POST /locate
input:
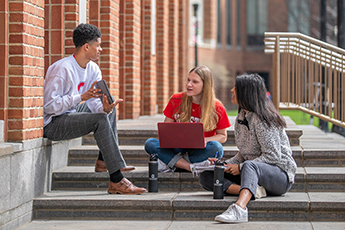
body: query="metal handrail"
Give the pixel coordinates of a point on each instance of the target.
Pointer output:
(309, 75)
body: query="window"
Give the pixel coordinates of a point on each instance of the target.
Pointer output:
(298, 16)
(228, 22)
(193, 23)
(82, 11)
(238, 22)
(256, 22)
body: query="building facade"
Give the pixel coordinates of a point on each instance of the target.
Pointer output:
(144, 43)
(230, 34)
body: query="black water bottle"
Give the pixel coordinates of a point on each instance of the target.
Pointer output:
(153, 173)
(218, 180)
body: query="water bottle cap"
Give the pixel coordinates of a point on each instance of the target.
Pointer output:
(154, 157)
(219, 163)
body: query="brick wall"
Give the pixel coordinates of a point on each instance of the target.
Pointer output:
(54, 32)
(4, 27)
(71, 9)
(148, 59)
(26, 69)
(210, 20)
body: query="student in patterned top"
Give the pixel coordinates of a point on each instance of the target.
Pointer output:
(197, 104)
(264, 164)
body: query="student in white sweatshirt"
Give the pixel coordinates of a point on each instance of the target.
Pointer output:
(68, 83)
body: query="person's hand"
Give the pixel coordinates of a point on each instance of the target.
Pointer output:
(233, 169)
(108, 108)
(91, 93)
(212, 160)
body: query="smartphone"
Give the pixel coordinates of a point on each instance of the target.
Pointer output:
(101, 84)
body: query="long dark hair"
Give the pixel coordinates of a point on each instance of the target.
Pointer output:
(252, 96)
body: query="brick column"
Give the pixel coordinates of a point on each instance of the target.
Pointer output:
(173, 46)
(183, 32)
(148, 59)
(95, 13)
(26, 69)
(109, 26)
(71, 8)
(130, 29)
(4, 62)
(210, 21)
(162, 54)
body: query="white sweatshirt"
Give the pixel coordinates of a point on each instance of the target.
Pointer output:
(64, 83)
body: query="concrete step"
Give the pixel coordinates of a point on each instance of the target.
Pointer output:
(308, 179)
(133, 154)
(136, 155)
(200, 205)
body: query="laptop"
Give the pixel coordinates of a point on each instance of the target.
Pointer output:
(182, 135)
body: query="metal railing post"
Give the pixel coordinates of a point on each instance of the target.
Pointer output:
(276, 75)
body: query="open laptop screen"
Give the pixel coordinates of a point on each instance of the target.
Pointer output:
(183, 135)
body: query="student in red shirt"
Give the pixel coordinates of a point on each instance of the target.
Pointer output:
(197, 104)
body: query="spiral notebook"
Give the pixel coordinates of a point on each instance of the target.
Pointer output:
(182, 135)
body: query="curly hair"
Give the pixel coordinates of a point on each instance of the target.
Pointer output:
(85, 33)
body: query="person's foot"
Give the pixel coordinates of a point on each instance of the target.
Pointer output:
(234, 214)
(125, 187)
(100, 167)
(162, 167)
(199, 167)
(260, 192)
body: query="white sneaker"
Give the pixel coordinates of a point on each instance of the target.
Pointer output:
(162, 167)
(199, 167)
(260, 192)
(234, 214)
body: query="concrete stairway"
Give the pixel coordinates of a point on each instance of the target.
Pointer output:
(81, 194)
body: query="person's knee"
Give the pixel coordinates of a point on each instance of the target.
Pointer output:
(249, 164)
(150, 144)
(215, 146)
(102, 117)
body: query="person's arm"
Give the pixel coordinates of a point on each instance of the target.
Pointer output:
(56, 100)
(222, 125)
(167, 119)
(221, 136)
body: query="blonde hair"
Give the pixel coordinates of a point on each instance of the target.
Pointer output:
(209, 116)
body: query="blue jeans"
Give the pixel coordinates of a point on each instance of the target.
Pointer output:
(253, 173)
(171, 156)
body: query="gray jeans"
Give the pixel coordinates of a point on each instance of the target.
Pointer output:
(72, 125)
(253, 173)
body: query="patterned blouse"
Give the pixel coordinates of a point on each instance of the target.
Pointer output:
(258, 142)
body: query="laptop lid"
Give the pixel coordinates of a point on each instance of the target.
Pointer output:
(183, 135)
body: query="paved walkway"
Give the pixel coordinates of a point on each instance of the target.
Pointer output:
(174, 225)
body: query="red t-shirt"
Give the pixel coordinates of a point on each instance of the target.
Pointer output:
(175, 102)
